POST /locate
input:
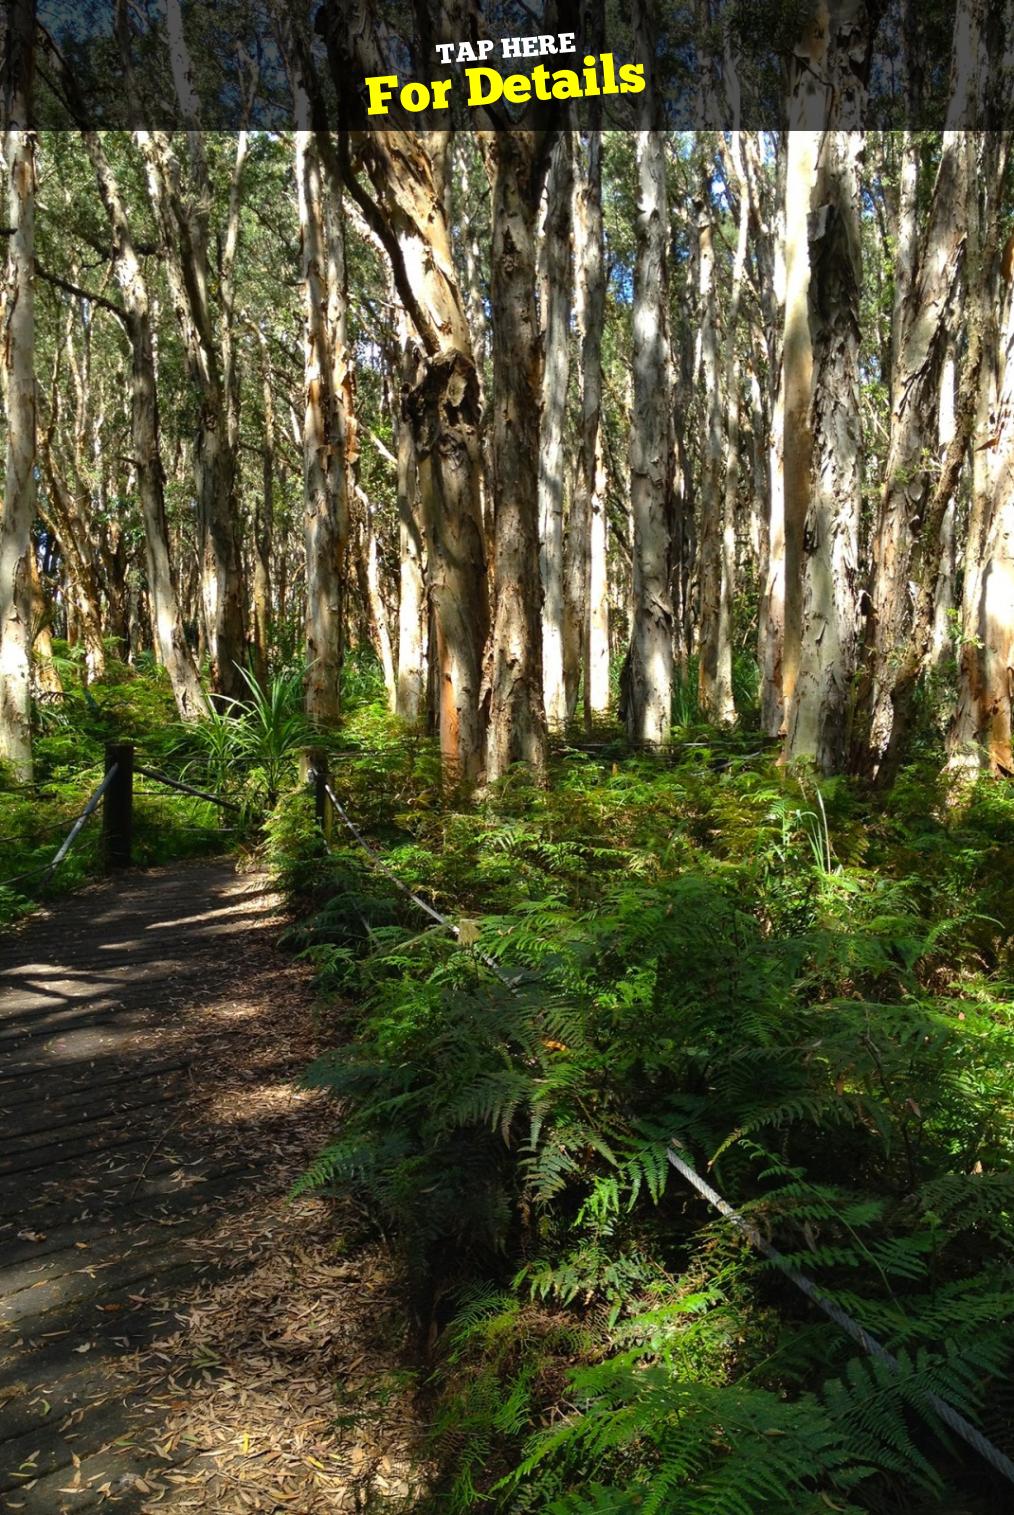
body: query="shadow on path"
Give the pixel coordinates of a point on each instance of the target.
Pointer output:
(172, 1329)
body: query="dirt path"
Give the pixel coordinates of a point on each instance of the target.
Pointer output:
(174, 1332)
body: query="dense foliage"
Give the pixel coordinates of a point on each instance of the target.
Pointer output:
(809, 993)
(242, 753)
(450, 455)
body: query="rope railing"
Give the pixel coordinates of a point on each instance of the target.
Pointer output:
(950, 1417)
(852, 1328)
(382, 867)
(118, 792)
(48, 869)
(50, 828)
(178, 784)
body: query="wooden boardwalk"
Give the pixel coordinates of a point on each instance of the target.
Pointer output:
(150, 1036)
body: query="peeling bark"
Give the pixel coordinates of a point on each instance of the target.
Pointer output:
(817, 711)
(517, 717)
(325, 460)
(19, 369)
(648, 676)
(184, 232)
(586, 622)
(408, 172)
(717, 537)
(412, 609)
(167, 624)
(555, 290)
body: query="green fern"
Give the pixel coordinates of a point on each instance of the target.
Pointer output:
(830, 1030)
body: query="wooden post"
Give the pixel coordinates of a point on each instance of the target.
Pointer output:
(314, 760)
(118, 805)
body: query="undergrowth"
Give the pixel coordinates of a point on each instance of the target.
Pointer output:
(809, 992)
(244, 752)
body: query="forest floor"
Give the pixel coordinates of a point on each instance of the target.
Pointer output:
(175, 1332)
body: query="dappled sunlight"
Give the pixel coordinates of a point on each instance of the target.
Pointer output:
(256, 1102)
(264, 1361)
(161, 1299)
(244, 910)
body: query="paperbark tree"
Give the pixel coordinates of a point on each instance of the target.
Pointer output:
(797, 382)
(19, 364)
(264, 522)
(408, 212)
(820, 384)
(442, 407)
(517, 717)
(771, 610)
(921, 322)
(817, 705)
(45, 674)
(71, 485)
(135, 315)
(380, 628)
(555, 300)
(412, 608)
(648, 676)
(66, 514)
(184, 233)
(979, 739)
(586, 590)
(325, 412)
(717, 535)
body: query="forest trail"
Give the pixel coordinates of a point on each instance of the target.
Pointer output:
(175, 1333)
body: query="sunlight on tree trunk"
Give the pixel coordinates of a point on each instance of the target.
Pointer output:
(555, 292)
(324, 457)
(19, 362)
(816, 715)
(170, 639)
(648, 676)
(797, 380)
(586, 628)
(717, 539)
(517, 717)
(412, 610)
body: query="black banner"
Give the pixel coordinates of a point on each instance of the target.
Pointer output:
(495, 64)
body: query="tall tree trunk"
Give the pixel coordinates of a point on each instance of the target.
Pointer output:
(944, 601)
(817, 710)
(922, 316)
(19, 361)
(264, 527)
(648, 680)
(183, 230)
(517, 717)
(442, 406)
(113, 555)
(67, 517)
(586, 624)
(771, 611)
(597, 639)
(980, 736)
(44, 670)
(409, 173)
(555, 288)
(325, 474)
(163, 601)
(413, 618)
(981, 732)
(379, 621)
(169, 636)
(797, 381)
(717, 506)
(964, 750)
